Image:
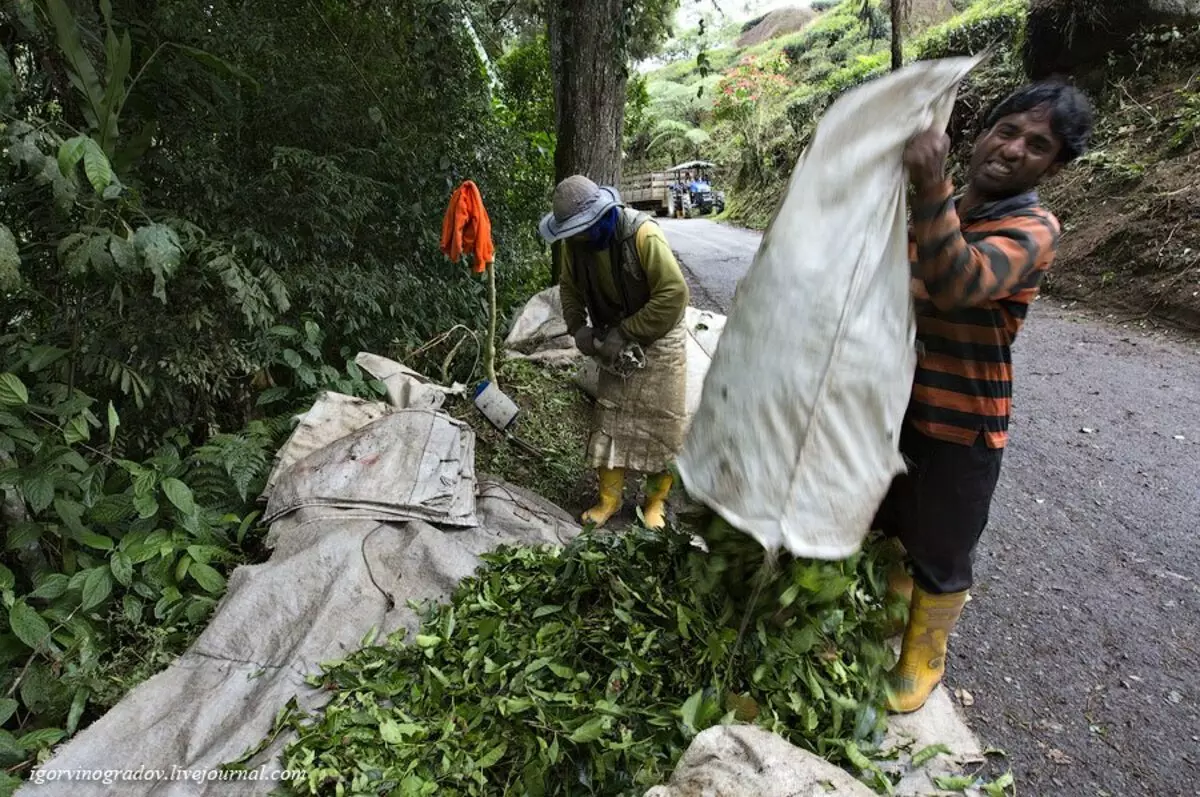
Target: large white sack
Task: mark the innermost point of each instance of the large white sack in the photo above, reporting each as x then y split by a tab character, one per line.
540	321
795	440
747	761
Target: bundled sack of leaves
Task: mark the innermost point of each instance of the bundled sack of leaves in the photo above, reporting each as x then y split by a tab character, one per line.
587	670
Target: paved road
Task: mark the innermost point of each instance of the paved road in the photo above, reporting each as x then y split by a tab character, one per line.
714	256
1081	644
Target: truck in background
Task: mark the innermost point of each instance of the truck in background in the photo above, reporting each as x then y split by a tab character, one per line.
676	191
660	193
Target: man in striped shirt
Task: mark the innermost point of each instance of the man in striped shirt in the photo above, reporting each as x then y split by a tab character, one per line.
977	260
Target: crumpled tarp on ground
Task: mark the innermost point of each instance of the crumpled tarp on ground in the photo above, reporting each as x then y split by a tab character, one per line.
334	416
407	465
540	334
939	721
405	387
746	761
341	567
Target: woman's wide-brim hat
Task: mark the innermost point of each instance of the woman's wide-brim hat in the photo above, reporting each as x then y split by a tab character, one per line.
578	204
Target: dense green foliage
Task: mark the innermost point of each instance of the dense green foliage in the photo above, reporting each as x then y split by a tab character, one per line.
276	181
778	107
205	211
591	668
103	548
979	27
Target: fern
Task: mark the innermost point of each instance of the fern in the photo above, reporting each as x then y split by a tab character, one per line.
114	509
210	483
244	459
276	427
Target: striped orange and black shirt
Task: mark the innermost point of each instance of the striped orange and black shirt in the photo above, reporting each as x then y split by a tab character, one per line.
973	281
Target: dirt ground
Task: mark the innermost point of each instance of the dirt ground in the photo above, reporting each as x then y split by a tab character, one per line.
1079	649
1131	247
779	22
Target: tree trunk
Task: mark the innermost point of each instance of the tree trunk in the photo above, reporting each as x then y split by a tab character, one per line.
897	10
588	62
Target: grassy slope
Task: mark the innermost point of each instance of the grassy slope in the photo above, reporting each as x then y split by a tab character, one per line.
554	418
1130	209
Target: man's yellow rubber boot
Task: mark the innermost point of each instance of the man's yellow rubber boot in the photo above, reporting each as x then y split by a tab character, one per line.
658	487
931	618
612	489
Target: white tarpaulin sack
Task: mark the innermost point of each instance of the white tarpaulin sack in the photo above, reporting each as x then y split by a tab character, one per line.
795	441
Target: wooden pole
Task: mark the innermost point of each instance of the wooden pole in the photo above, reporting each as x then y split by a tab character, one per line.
490	349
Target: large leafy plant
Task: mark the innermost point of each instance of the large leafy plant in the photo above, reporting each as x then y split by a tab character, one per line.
749	97
93	540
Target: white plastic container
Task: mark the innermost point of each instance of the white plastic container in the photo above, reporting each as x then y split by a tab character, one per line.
498	408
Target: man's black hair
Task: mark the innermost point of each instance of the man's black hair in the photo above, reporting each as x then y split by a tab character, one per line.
1070	113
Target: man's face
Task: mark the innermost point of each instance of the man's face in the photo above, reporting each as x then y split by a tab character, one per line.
1014	156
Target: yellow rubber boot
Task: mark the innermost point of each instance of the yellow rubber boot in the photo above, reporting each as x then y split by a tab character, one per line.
931	618
658	487
612	488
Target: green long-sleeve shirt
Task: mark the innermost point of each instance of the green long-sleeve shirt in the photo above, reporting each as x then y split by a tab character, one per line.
668	290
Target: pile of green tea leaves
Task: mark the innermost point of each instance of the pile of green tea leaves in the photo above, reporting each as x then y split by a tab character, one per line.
588	670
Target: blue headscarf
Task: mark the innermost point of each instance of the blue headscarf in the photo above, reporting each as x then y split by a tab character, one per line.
601	234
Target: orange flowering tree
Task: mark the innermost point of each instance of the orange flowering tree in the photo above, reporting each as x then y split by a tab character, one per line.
750	97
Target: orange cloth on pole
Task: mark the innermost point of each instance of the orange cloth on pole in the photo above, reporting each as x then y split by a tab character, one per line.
467	228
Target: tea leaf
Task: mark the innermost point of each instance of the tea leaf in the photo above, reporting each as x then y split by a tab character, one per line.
927	754
590	731
954	782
